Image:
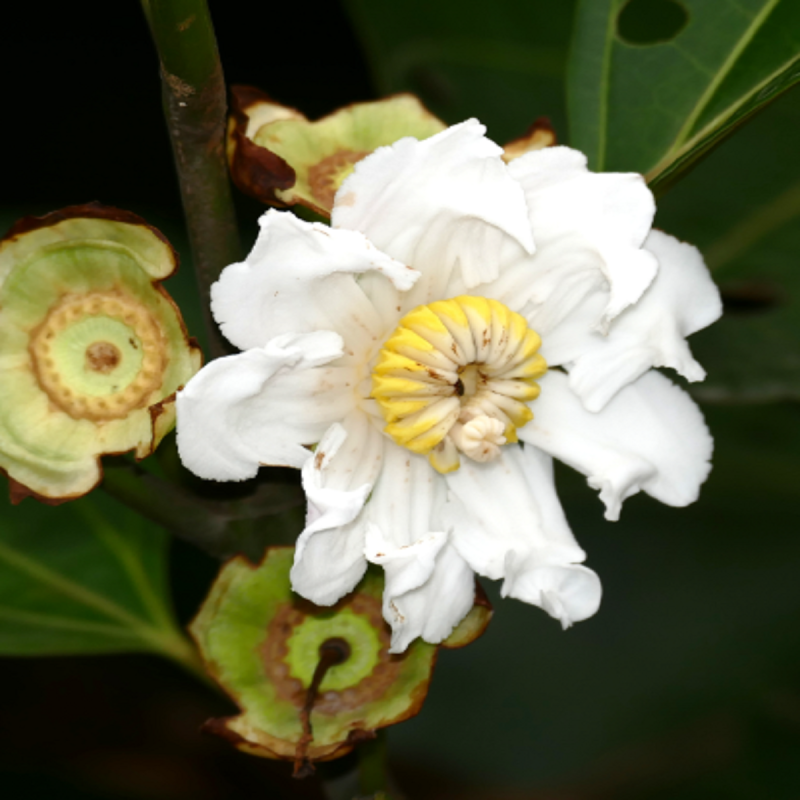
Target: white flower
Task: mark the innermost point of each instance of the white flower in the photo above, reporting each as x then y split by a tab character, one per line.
404	340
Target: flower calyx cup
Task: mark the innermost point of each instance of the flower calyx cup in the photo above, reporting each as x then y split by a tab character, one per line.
311	682
93	348
280	157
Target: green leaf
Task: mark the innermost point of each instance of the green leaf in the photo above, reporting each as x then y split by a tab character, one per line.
741	208
505	67
751	354
87	577
657	108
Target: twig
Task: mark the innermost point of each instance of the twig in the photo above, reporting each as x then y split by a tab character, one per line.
193	91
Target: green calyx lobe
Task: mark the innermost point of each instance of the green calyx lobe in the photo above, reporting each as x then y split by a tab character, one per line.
262	644
92	347
306	162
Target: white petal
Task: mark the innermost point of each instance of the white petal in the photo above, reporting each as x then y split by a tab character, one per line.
650	437
408	497
300	276
329	557
565	286
611	212
570	332
262	406
681	301
429	588
444	205
567	593
506	520
508	505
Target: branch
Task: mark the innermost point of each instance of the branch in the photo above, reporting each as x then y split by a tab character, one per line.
221	527
193	91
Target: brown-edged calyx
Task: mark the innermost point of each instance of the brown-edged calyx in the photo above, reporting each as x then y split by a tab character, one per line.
299	671
282	158
92	348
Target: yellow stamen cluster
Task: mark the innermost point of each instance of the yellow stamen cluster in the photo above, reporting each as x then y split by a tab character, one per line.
456	377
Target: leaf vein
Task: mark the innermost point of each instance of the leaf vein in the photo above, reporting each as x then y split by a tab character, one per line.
64	623
605	79
64	586
737	50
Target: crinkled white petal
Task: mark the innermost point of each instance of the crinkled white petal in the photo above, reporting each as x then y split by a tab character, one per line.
300	276
565	285
507	522
650	437
681	301
429	588
262	406
568	593
611	212
508	505
408	497
569	333
446	205
329	557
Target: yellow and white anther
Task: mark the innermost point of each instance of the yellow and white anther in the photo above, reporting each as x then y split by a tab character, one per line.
480	438
455	379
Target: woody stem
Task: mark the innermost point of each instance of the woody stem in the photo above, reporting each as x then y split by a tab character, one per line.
193	92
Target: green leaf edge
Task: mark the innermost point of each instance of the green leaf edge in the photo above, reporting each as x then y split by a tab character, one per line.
686	149
160	635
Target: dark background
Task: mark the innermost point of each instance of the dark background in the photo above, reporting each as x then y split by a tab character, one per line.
81	93
686	684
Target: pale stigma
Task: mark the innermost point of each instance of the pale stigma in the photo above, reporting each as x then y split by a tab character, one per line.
455	378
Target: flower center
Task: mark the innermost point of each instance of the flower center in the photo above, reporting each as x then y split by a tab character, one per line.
98	355
356	634
455	379
102	357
